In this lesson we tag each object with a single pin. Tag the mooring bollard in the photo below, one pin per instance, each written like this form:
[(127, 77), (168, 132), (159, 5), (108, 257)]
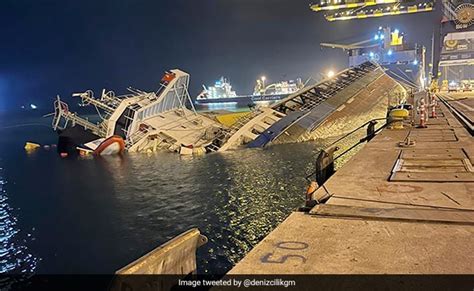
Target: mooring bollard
[(325, 165), (371, 130)]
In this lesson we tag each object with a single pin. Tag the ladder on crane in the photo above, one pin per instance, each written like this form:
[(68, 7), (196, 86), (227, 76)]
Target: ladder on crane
[(62, 117)]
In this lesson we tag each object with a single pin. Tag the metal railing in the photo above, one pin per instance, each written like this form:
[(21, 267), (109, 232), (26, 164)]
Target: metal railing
[(223, 135), (463, 118), (138, 135), (61, 112), (310, 97), (371, 133)]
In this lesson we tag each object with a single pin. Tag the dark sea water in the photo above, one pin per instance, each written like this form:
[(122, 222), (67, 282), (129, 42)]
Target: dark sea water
[(97, 215)]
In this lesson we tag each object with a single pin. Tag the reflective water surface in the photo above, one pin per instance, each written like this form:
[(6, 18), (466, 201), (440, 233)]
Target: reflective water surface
[(15, 257), (97, 215)]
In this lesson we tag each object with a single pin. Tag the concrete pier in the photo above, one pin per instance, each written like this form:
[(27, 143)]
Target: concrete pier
[(393, 209)]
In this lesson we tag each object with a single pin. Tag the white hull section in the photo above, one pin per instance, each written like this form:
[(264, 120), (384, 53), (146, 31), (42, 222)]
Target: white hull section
[(112, 149), (144, 121), (175, 128)]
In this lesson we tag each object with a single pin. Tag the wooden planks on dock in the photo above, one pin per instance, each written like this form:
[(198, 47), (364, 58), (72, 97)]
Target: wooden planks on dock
[(413, 214)]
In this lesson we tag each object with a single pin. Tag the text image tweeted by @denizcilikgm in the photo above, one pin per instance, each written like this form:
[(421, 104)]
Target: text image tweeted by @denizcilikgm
[(276, 282)]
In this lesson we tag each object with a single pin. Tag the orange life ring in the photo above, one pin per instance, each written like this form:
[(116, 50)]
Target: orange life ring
[(112, 145)]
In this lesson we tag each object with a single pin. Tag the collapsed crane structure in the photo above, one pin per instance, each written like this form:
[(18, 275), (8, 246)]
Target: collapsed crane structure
[(329, 108), (146, 121)]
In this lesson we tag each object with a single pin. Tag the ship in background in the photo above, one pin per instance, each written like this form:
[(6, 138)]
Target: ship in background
[(222, 93), (403, 61)]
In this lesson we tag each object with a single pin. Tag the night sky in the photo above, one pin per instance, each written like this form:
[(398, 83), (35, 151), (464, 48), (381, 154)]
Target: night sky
[(61, 47)]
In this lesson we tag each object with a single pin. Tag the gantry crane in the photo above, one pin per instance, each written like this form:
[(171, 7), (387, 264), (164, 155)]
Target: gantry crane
[(450, 16)]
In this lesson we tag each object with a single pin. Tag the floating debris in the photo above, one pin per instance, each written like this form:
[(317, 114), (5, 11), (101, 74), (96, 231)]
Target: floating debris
[(31, 146)]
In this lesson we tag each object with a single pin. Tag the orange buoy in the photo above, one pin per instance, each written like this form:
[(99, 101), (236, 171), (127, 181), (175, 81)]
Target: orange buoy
[(110, 146)]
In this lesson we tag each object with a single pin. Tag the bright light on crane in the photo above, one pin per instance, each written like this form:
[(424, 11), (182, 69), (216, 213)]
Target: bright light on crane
[(330, 74)]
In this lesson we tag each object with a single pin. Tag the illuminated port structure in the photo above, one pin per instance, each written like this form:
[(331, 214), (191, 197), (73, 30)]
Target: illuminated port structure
[(402, 60), (456, 57), (356, 9), (457, 62), (452, 40)]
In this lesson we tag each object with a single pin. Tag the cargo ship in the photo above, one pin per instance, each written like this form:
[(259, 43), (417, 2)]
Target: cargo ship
[(221, 92)]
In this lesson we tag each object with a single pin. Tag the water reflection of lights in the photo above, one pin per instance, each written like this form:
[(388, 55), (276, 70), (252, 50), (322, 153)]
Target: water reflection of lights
[(255, 198), (15, 257), (116, 165), (222, 105)]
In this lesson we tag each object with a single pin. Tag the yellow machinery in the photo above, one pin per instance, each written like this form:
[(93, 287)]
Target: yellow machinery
[(397, 39), (397, 116)]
